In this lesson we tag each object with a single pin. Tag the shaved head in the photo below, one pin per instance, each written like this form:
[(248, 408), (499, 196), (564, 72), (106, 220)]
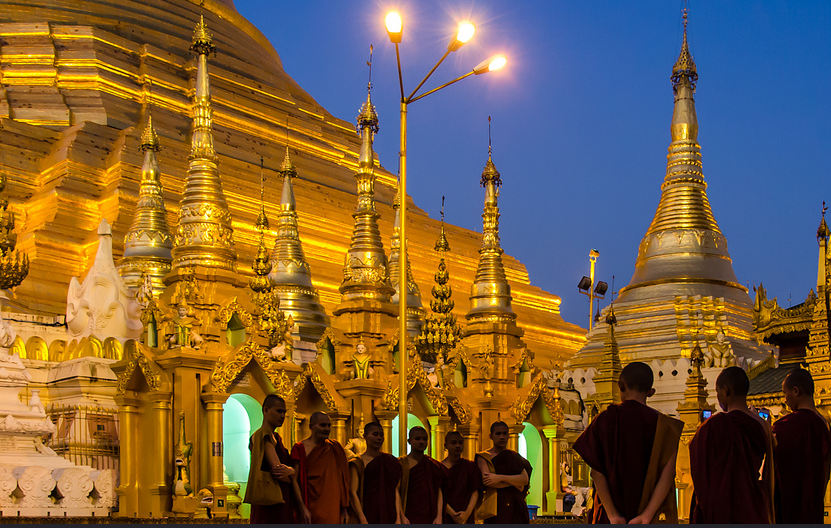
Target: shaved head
[(801, 379), (453, 435), (318, 417), (736, 379), (372, 425), (416, 430), (636, 376)]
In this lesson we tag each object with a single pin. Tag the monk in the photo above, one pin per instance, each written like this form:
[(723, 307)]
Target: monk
[(421, 482), (461, 489), (271, 472), (631, 450), (505, 477), (802, 454), (726, 458), (322, 483), (375, 481)]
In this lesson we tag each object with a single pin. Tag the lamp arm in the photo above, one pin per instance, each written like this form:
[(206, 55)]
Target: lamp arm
[(446, 53), (400, 78), (445, 85)]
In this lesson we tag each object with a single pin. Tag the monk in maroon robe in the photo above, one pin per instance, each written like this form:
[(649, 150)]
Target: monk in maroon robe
[(421, 482), (631, 450), (727, 455), (461, 489), (268, 455), (802, 454), (505, 481), (375, 481), (322, 483)]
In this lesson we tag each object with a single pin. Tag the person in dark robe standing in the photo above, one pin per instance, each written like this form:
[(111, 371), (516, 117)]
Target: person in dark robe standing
[(802, 456), (375, 481), (322, 483), (270, 476), (505, 478), (631, 450), (464, 479), (421, 482), (728, 453)]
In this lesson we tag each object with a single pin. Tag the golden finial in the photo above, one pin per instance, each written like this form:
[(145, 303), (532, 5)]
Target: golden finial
[(262, 219), (149, 139), (368, 117), (490, 174), (442, 245), (202, 43), (685, 65), (823, 232)]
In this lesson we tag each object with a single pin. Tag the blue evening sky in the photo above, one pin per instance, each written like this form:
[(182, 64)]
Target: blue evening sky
[(581, 120)]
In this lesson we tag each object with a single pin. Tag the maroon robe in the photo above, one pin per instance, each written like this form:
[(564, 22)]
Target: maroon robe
[(376, 488), (323, 477), (276, 513), (463, 479), (802, 457), (511, 507), (420, 486), (618, 443), (726, 456)]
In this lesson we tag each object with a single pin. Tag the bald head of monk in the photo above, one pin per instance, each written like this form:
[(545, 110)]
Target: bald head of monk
[(418, 439), (798, 387), (454, 443), (732, 386), (320, 426), (635, 382)]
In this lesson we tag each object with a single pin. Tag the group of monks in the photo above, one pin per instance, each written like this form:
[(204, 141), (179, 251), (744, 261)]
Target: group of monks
[(744, 470), (315, 483)]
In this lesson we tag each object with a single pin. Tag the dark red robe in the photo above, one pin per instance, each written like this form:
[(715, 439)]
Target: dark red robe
[(276, 513), (323, 477), (511, 507), (802, 459), (618, 443), (726, 456), (463, 479), (376, 488), (420, 486)]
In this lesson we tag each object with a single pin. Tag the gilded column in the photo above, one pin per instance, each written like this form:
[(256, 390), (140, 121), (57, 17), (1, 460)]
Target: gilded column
[(339, 429), (552, 434), (415, 310), (128, 500), (213, 417), (513, 436), (148, 243), (204, 235), (385, 419), (438, 430), (161, 409)]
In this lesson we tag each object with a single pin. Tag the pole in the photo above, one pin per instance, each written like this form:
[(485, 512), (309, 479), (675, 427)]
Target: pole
[(592, 260), (402, 291)]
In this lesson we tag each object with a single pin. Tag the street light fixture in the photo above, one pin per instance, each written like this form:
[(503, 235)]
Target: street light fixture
[(395, 30)]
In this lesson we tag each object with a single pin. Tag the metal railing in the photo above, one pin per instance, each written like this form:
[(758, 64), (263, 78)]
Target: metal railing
[(85, 435)]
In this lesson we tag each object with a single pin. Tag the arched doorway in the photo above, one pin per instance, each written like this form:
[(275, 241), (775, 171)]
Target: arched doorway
[(530, 447), (241, 416), (412, 421)]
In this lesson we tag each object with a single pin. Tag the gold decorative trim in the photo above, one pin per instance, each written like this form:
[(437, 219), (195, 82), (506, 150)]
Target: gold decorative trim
[(551, 398), (228, 310), (136, 356), (230, 366)]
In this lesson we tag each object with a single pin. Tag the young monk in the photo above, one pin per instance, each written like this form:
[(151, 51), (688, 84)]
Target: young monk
[(271, 473), (461, 488), (421, 482), (375, 481), (802, 454), (505, 477), (322, 483), (631, 450), (726, 457)]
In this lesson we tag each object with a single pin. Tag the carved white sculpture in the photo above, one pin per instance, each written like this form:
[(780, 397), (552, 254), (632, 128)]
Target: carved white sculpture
[(102, 305), (7, 333), (36, 485), (105, 488), (8, 483), (74, 486)]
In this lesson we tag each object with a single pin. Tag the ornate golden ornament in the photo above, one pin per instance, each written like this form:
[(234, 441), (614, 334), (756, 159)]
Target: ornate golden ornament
[(136, 357), (14, 266), (229, 367), (416, 374), (538, 389)]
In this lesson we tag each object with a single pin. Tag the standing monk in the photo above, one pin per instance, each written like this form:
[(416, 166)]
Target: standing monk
[(631, 450), (270, 476), (463, 482), (322, 483), (505, 475), (421, 482), (375, 481), (726, 457), (802, 455)]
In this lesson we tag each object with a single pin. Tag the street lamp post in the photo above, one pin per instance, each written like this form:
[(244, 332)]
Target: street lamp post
[(395, 30)]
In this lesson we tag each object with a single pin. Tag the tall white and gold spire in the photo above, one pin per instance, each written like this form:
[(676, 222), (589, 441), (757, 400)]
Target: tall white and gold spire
[(415, 309), (490, 296), (148, 242), (204, 235), (365, 273), (290, 272)]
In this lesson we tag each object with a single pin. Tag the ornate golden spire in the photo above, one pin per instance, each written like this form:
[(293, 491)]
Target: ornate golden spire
[(605, 380), (290, 273), (490, 295), (415, 310), (204, 235), (684, 233), (441, 333), (148, 242), (262, 262), (13, 266), (365, 274)]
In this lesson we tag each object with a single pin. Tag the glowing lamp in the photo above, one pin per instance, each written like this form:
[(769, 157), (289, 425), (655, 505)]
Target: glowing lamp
[(395, 27)]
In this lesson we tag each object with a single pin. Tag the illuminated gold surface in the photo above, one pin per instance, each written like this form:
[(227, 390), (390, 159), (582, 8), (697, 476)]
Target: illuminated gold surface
[(415, 310)]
